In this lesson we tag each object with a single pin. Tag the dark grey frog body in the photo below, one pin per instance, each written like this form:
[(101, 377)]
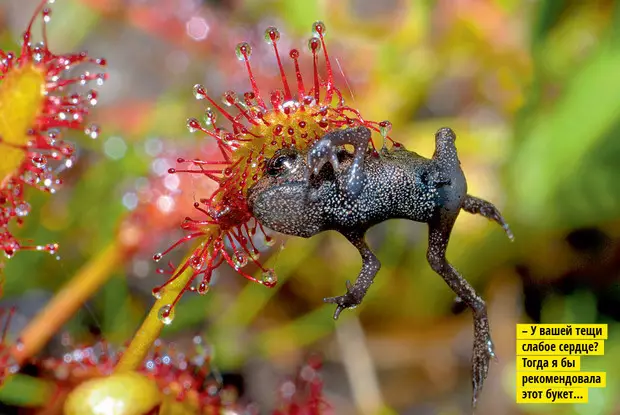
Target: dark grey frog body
[(328, 188), (398, 184)]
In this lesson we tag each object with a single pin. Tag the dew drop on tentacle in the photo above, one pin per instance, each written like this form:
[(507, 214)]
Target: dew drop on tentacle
[(203, 288), (193, 125), (240, 259), (156, 292), (272, 34), (269, 278), (318, 28), (39, 161), (47, 13), (166, 314), (92, 97), (101, 78), (314, 44), (226, 137), (200, 92), (210, 116), (229, 98), (197, 261), (92, 131), (384, 129), (243, 51), (38, 52)]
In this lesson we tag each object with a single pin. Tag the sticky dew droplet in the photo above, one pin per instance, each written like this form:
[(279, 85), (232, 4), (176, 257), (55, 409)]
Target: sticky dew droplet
[(200, 92), (272, 34), (269, 277), (166, 314), (243, 51), (47, 15), (384, 128), (210, 116), (254, 254), (192, 125), (314, 44), (318, 28), (197, 262), (203, 288), (229, 98), (240, 259), (92, 131)]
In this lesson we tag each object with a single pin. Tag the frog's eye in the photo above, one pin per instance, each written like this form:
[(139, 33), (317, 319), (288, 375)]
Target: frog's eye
[(280, 162)]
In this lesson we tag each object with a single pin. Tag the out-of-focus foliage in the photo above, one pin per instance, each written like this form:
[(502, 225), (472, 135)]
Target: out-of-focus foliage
[(531, 89)]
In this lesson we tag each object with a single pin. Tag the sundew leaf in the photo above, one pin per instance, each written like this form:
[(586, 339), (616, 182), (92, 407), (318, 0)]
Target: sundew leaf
[(560, 138)]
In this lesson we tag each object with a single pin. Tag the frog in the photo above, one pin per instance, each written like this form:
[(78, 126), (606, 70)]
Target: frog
[(329, 187)]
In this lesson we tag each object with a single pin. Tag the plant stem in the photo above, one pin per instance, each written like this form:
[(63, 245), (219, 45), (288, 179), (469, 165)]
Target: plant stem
[(150, 329), (67, 301)]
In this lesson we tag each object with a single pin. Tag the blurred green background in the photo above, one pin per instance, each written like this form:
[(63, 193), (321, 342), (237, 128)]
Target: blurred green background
[(532, 90)]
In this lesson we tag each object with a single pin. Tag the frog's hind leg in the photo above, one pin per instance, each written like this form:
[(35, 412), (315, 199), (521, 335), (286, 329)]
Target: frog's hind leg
[(438, 237), (452, 189)]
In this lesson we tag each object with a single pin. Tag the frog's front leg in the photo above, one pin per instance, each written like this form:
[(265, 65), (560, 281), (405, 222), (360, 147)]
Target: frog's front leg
[(325, 150), (370, 266)]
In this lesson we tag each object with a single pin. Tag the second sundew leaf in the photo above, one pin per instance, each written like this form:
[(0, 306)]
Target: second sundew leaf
[(559, 139), (35, 107)]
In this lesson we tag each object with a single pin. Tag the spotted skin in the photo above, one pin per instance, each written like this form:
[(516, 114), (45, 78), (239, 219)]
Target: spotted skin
[(327, 188)]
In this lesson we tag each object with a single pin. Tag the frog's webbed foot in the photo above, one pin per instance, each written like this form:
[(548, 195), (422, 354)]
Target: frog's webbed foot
[(325, 151), (348, 300)]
